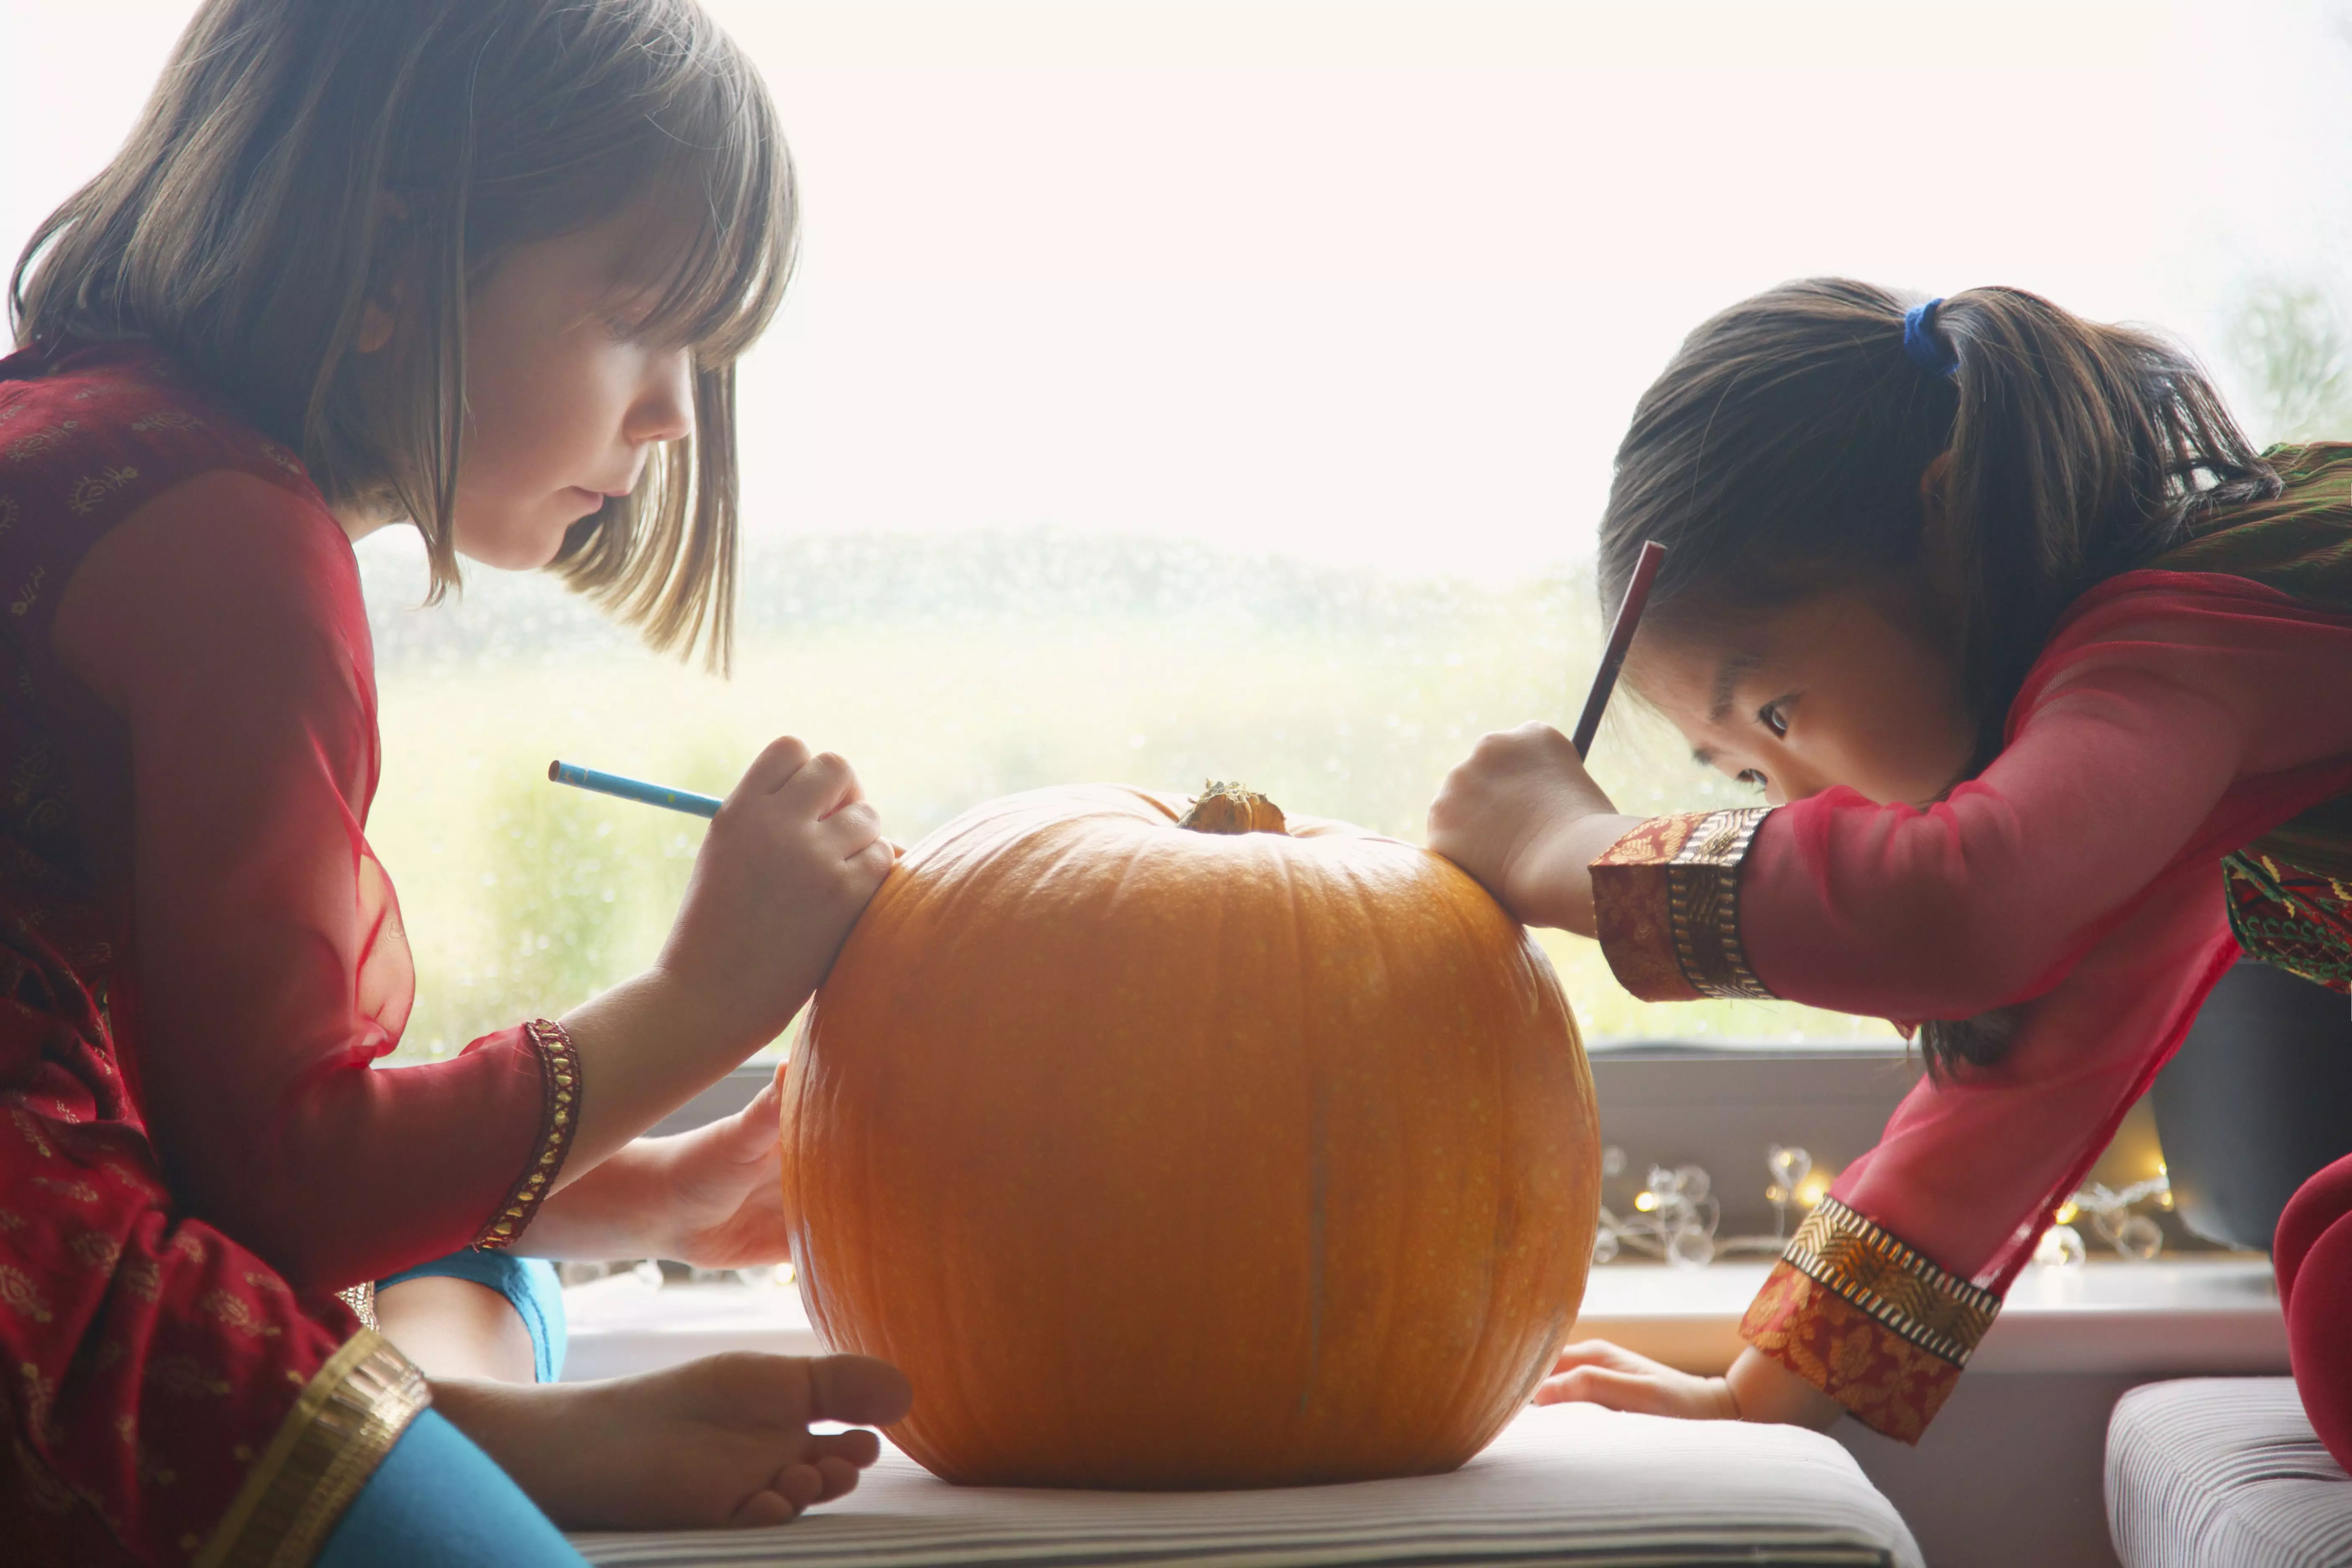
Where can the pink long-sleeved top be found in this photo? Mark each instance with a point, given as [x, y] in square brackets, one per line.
[2175, 717]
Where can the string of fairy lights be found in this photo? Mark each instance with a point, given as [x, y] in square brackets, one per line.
[1676, 1215]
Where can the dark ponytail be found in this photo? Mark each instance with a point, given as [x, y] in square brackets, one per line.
[1782, 453]
[2078, 451]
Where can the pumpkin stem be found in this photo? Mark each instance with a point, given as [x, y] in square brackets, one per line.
[1230, 808]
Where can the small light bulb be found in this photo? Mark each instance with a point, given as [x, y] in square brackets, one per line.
[1646, 1200]
[2066, 1212]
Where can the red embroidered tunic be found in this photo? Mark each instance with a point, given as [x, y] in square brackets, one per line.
[2175, 719]
[200, 958]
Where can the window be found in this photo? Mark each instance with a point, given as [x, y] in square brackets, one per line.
[1180, 389]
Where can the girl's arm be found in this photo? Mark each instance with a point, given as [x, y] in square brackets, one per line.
[222, 622]
[2077, 876]
[1892, 1282]
[2163, 726]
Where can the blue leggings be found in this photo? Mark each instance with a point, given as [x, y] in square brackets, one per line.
[530, 1288]
[438, 1501]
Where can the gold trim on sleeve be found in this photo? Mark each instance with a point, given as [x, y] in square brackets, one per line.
[558, 1062]
[1865, 1264]
[1666, 898]
[360, 1300]
[345, 1420]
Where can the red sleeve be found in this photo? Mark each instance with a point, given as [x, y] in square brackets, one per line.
[2078, 877]
[224, 623]
[2164, 730]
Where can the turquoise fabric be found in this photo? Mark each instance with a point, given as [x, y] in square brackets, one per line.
[529, 1284]
[438, 1501]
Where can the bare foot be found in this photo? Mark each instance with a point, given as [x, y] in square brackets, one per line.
[719, 1443]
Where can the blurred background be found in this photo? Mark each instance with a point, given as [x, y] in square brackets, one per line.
[1179, 388]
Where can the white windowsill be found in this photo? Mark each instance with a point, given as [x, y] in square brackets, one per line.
[2164, 1318]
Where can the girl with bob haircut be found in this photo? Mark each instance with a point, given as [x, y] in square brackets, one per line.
[485, 266]
[2044, 675]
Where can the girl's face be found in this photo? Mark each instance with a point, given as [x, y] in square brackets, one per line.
[565, 403]
[1853, 687]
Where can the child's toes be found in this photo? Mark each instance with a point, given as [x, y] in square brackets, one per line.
[857, 1389]
[859, 1447]
[762, 1509]
[800, 1484]
[840, 1478]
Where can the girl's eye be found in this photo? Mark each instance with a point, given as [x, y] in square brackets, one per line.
[1749, 777]
[1775, 718]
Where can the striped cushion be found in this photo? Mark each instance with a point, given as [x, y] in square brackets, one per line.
[2223, 1470]
[1566, 1484]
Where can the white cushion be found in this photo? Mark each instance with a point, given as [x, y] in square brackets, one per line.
[2223, 1470]
[1565, 1484]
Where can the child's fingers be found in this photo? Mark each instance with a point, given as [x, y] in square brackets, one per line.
[1633, 1392]
[778, 760]
[765, 1105]
[755, 1138]
[1603, 1354]
[853, 829]
[824, 785]
[858, 1389]
[877, 858]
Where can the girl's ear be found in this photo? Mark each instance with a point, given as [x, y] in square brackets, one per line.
[388, 293]
[1932, 489]
[1942, 553]
[376, 322]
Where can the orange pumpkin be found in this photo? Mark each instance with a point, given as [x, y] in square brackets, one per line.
[1249, 1155]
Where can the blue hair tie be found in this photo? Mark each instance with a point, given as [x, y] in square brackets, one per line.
[1925, 346]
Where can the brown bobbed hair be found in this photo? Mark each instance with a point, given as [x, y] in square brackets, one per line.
[1783, 453]
[302, 158]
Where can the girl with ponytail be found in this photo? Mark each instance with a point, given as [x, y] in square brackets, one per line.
[2043, 674]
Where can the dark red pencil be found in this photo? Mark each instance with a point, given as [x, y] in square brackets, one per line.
[1621, 637]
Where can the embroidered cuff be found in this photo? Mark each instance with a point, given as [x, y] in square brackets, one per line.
[2288, 916]
[558, 1065]
[1667, 899]
[1868, 1321]
[345, 1420]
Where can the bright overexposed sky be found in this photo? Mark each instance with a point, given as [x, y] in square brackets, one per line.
[1380, 280]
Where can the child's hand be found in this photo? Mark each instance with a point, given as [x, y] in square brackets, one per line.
[1757, 1388]
[712, 1197]
[1595, 1371]
[1524, 817]
[790, 862]
[723, 1184]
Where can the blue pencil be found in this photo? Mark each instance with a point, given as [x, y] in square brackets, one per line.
[633, 789]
